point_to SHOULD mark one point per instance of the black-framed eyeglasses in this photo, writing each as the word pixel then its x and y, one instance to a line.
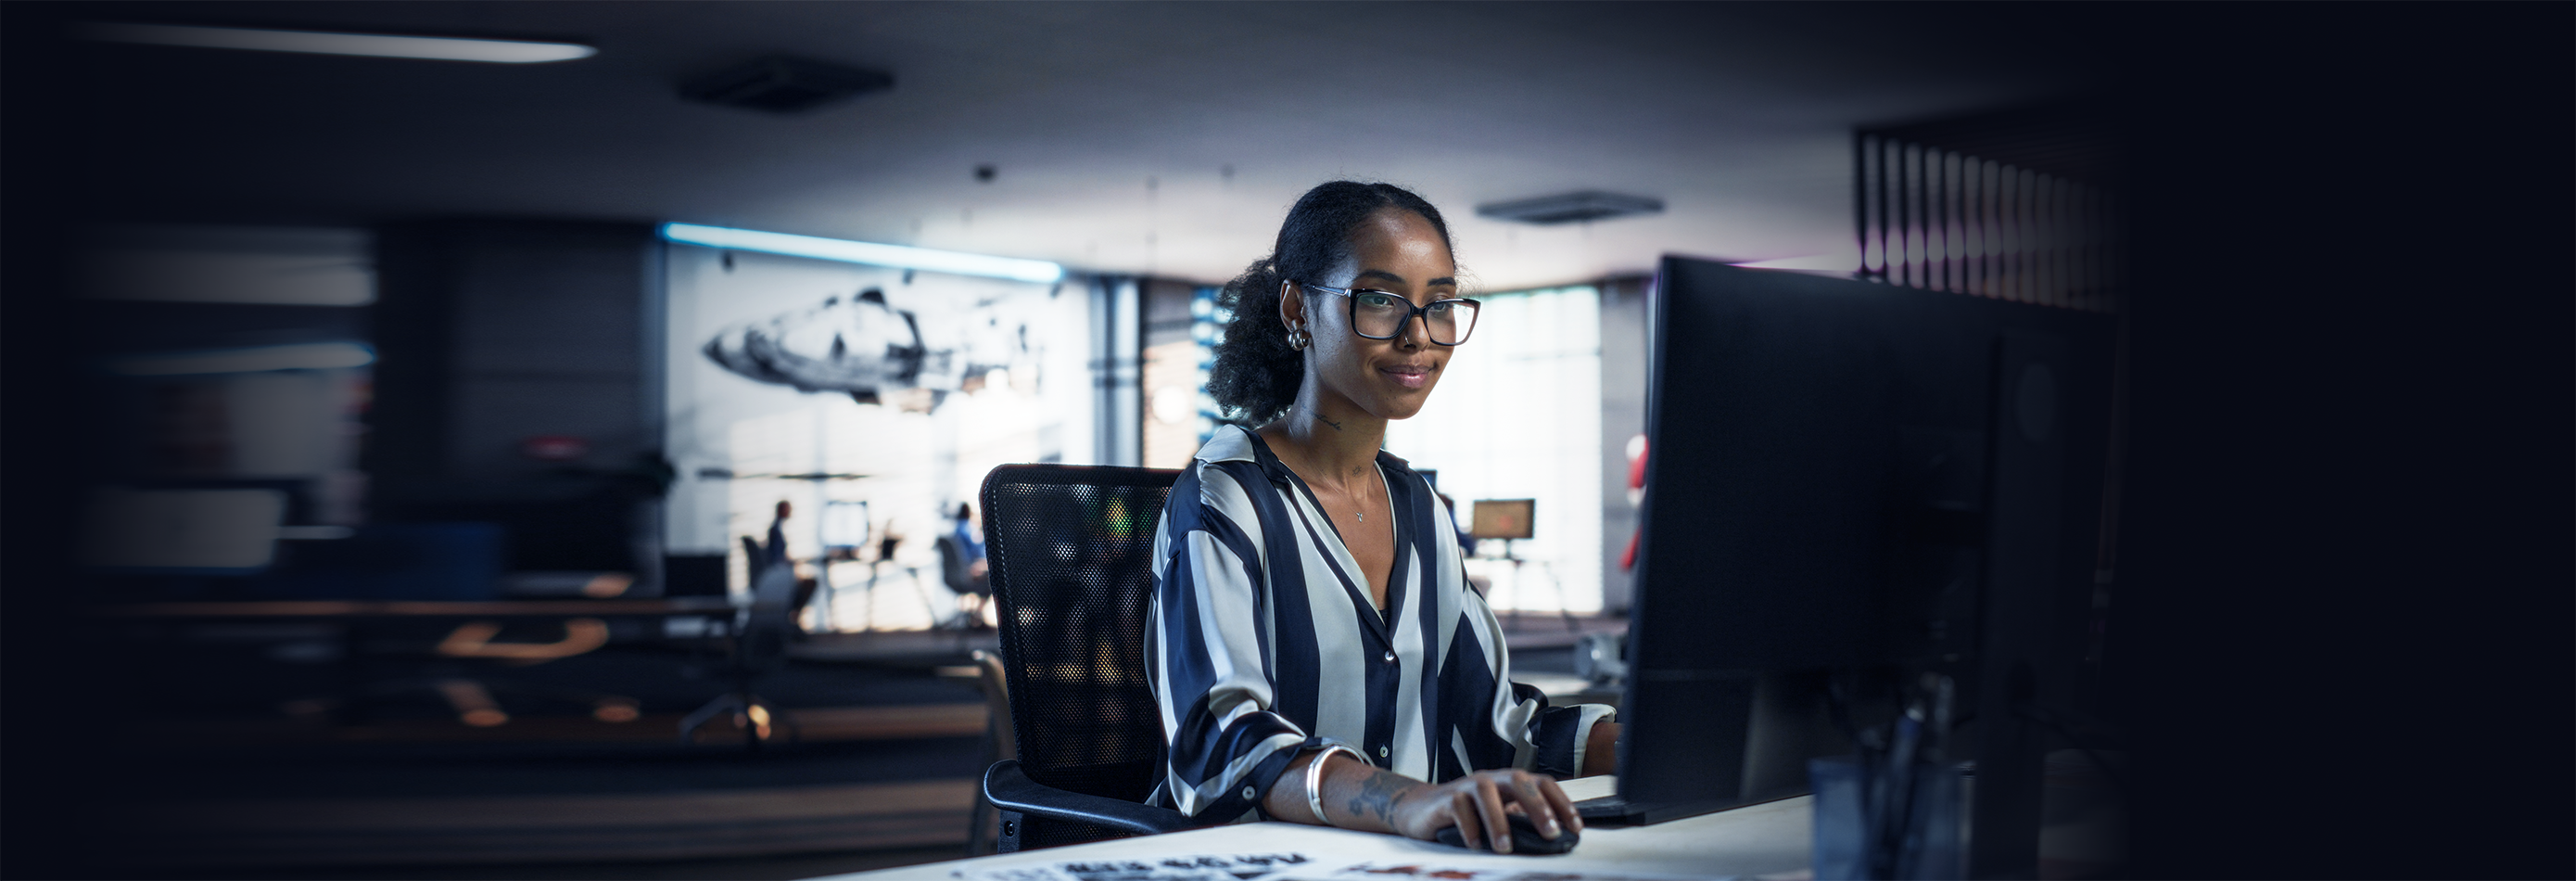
pixel 1382 315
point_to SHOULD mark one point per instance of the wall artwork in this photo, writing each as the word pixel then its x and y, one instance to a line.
pixel 864 347
pixel 841 388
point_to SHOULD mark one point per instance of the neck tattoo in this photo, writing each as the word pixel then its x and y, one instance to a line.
pixel 1319 417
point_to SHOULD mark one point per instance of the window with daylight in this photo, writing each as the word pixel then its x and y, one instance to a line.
pixel 1517 415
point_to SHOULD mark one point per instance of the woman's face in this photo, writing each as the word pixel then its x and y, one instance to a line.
pixel 1395 251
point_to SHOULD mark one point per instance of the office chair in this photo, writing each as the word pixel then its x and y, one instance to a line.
pixel 982 827
pixel 953 571
pixel 759 645
pixel 1070 550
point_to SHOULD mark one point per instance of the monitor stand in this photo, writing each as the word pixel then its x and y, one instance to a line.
pixel 1749 734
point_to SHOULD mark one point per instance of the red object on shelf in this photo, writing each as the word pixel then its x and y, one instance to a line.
pixel 554 447
pixel 1636 481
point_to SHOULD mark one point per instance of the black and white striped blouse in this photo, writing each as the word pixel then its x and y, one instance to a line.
pixel 1264 642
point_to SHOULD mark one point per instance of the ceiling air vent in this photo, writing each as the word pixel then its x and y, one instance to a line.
pixel 1571 207
pixel 781 84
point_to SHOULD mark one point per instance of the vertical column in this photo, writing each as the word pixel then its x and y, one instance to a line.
pixel 1168 377
pixel 1117 334
pixel 652 396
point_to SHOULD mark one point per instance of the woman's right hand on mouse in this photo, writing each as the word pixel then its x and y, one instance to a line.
pixel 1358 795
pixel 1480 804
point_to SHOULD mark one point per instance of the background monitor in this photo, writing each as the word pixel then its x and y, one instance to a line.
pixel 1502 518
pixel 192 531
pixel 1855 479
pixel 845 524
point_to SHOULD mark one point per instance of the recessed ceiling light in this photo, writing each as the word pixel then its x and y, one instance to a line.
pixel 336 43
pixel 1571 207
pixel 784 84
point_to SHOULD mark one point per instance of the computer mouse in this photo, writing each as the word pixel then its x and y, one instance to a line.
pixel 1525 838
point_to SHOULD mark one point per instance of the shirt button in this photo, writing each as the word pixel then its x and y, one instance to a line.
pixel 1381 752
pixel 1390 657
pixel 1247 792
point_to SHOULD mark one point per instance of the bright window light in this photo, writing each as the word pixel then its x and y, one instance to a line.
pixel 305 356
pixel 1541 374
pixel 869 253
pixel 329 43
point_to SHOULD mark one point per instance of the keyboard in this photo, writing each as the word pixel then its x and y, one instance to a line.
pixel 1608 807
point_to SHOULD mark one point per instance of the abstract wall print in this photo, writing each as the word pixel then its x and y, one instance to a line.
pixel 839 387
pixel 862 346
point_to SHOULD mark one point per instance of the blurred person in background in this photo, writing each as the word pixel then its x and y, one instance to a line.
pixel 970 541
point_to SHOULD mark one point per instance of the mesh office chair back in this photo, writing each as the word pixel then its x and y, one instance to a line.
pixel 1070 550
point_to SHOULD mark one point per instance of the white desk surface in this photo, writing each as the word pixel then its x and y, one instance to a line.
pixel 1764 840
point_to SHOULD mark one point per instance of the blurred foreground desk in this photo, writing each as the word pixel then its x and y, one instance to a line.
pixel 1760 841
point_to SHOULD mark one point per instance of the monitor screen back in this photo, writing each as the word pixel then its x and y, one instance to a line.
pixel 1816 495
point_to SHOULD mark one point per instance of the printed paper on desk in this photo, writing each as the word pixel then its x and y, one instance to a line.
pixel 1276 867
pixel 1415 871
pixel 1203 867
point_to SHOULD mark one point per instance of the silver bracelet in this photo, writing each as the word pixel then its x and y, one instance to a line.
pixel 1315 777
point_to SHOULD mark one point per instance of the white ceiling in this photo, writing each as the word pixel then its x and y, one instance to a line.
pixel 1112 125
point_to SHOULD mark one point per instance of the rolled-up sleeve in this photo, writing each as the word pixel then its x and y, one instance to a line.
pixel 1206 650
pixel 1545 739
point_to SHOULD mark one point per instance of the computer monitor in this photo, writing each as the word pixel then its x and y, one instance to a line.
pixel 1502 518
pixel 1848 478
pixel 844 524
pixel 183 531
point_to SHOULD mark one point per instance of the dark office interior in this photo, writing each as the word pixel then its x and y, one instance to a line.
pixel 2327 625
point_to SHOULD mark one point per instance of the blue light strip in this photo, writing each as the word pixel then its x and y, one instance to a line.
pixel 863 252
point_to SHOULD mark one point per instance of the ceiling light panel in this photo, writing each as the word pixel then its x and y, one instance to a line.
pixel 335 43
pixel 782 84
pixel 1571 207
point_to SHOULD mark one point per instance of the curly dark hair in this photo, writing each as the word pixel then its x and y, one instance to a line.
pixel 1256 375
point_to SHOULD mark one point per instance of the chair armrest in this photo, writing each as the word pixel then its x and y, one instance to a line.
pixel 1010 789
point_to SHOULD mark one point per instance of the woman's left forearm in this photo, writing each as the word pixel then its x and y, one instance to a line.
pixel 1601 750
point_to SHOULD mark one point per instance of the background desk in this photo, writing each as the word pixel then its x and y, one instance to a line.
pixel 1769 839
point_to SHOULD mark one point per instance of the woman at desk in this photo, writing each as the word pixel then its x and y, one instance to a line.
pixel 1315 650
